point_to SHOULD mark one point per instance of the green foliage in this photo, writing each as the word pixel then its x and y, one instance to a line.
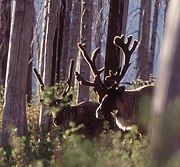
pixel 66 148
pixel 50 95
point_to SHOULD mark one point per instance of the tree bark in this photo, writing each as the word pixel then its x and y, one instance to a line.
pixel 60 73
pixel 165 122
pixel 85 37
pixel 52 20
pixel 14 109
pixel 144 38
pixel 5 12
pixel 42 47
pixel 66 36
pixel 74 35
pixel 116 26
pixel 153 35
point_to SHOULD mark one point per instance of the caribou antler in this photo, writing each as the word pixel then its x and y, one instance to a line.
pixel 120 42
pixel 97 83
pixel 99 86
pixel 68 81
pixel 65 91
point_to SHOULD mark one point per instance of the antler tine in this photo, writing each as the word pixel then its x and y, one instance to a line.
pixel 82 81
pixel 39 78
pixel 95 53
pixel 119 42
pixel 93 58
pixel 68 81
pixel 90 62
pixel 113 76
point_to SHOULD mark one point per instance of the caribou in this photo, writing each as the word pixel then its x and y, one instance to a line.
pixel 112 95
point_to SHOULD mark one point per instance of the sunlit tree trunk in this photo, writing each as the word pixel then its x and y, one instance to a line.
pixel 166 108
pixel 74 35
pixel 144 39
pixel 50 36
pixel 44 27
pixel 85 37
pixel 14 109
pixel 5 12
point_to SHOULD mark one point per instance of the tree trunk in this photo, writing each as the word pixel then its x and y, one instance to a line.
pixel 29 80
pixel 66 36
pixel 85 37
pixel 165 122
pixel 5 12
pixel 116 26
pixel 52 21
pixel 74 35
pixel 153 35
pixel 97 33
pixel 14 109
pixel 144 38
pixel 60 74
pixel 43 38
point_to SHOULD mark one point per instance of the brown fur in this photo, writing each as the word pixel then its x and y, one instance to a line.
pixel 127 104
pixel 82 113
pixel 130 104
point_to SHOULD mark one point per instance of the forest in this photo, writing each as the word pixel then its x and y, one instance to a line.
pixel 89 83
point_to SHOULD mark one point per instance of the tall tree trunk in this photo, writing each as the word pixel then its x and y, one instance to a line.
pixel 66 36
pixel 97 33
pixel 5 15
pixel 153 35
pixel 85 37
pixel 60 73
pixel 74 35
pixel 29 80
pixel 52 21
pixel 43 38
pixel 14 109
pixel 116 26
pixel 165 123
pixel 144 38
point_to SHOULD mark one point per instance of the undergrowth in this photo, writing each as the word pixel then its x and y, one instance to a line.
pixel 67 149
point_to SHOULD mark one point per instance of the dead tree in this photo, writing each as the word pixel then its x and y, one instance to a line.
pixel 14 109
